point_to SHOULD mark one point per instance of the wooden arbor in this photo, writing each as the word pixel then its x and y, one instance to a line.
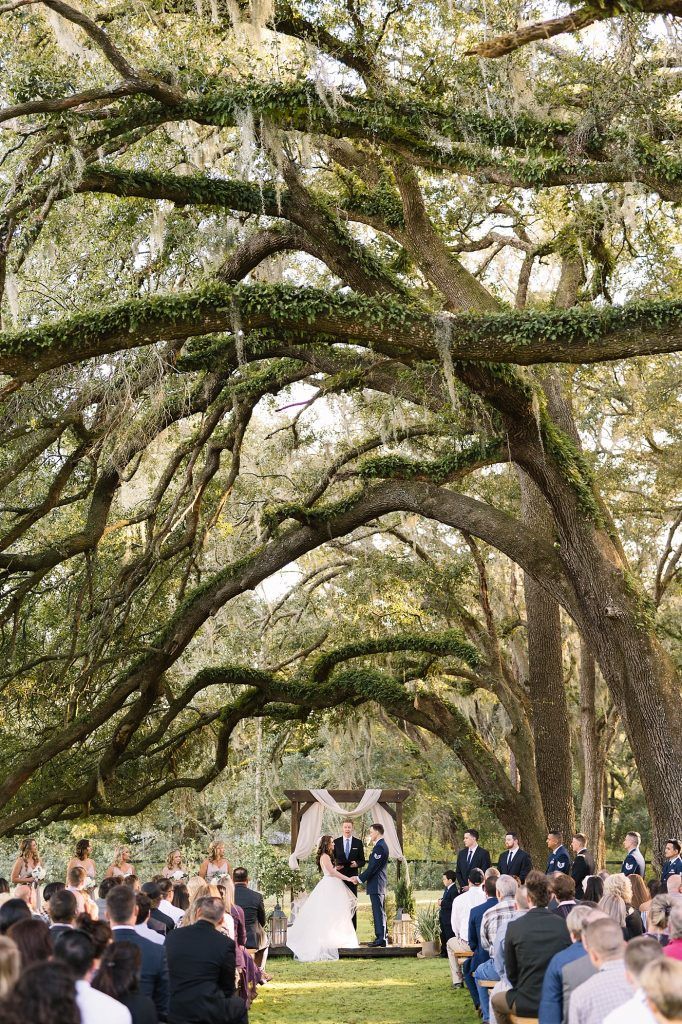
pixel 391 800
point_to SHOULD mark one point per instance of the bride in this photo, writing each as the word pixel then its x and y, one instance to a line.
pixel 325 921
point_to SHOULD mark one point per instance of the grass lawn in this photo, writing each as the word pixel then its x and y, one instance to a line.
pixel 405 991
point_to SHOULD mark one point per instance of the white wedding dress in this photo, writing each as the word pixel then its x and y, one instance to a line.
pixel 324 924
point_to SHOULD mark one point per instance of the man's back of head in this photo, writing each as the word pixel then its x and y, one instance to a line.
pixel 675 919
pixel 674 885
pixel 121 905
pixel 580 917
pixel 210 909
pixel 476 877
pixel 604 940
pixel 12 911
pixel 76 949
pixel 639 952
pixel 240 875
pixel 152 890
pixel 63 907
pixel 505 886
pixel 490 887
pixel 537 887
pixel 521 899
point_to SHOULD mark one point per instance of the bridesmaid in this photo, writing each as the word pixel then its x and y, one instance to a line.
pixel 24 866
pixel 173 864
pixel 82 859
pixel 215 863
pixel 120 866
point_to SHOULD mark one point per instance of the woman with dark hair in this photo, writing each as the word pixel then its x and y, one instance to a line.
pixel 324 923
pixel 98 932
pixel 181 896
pixel 44 994
pixel 4 891
pixel 13 910
pixel 82 859
pixel 119 977
pixel 593 887
pixel 33 940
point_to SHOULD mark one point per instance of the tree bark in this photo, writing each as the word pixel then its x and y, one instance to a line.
pixel 593 759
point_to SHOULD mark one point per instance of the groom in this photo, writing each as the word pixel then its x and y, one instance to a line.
pixel 374 879
pixel 349 855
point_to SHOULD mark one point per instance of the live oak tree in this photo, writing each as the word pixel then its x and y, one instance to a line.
pixel 209 206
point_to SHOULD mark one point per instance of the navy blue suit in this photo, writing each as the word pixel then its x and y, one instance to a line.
pixel 480 858
pixel 634 863
pixel 671 867
pixel 480 954
pixel 517 864
pixel 154 981
pixel 445 917
pixel 374 877
pixel 560 860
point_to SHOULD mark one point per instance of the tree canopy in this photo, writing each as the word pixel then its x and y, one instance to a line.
pixel 326 289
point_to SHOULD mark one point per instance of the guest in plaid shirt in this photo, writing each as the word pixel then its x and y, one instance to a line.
pixel 609 988
pixel 502 911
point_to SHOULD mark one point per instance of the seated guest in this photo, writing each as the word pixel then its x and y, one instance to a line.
pixel 593 888
pixel 10 966
pixel 640 893
pixel 563 889
pixel 4 891
pixel 621 885
pixel 445 910
pixel 674 947
pixel 104 887
pixel 118 976
pixel 132 881
pixel 44 992
pixel 559 859
pixel 48 892
pixel 472 856
pixel 552 1009
pixel 522 907
pixel 583 863
pixel 530 944
pixel 638 954
pixel 181 897
pixel 76 878
pixel 98 932
pixel 23 892
pixel 152 890
pixel 253 906
pixel 608 988
pixel 250 976
pixel 661 983
pixel 673 861
pixel 122 915
pixel 202 963
pixel 480 953
pixel 76 950
pixel 462 906
pixel 13 910
pixel 658 918
pixel 673 885
pixel 165 906
pixel 505 910
pixel 142 927
pixel 33 940
pixel 514 861
pixel 62 909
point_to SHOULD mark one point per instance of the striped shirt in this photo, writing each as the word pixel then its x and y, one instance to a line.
pixel 502 911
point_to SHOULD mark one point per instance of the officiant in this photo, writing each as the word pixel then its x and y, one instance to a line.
pixel 349 857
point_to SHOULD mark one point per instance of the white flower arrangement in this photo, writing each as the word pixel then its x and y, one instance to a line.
pixel 220 879
pixel 38 873
pixel 178 876
pixel 89 883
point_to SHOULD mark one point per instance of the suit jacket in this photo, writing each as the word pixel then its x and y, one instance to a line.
pixel 582 866
pixel 480 859
pixel 201 963
pixel 253 906
pixel 445 912
pixel 519 866
pixel 161 918
pixel 342 863
pixel 374 876
pixel 154 980
pixel 142 1009
pixel 531 942
pixel 58 929
pixel 475 918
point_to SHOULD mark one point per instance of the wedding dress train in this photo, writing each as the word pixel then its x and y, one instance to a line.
pixel 324 923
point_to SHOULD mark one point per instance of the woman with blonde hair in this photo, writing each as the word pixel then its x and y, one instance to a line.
pixel 10 965
pixel 174 869
pixel 250 975
pixel 28 869
pixel 216 863
pixel 121 865
pixel 619 885
pixel 661 982
pixel 205 889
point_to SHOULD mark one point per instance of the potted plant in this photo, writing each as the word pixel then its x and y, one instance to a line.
pixel 428 926
pixel 404 897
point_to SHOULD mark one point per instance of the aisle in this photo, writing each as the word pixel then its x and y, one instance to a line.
pixel 362 992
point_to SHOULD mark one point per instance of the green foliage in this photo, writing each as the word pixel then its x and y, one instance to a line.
pixel 404 895
pixel 428 923
pixel 273 872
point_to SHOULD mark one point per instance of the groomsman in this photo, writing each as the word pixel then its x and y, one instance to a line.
pixel 374 877
pixel 445 910
pixel 673 862
pixel 514 861
pixel 349 855
pixel 559 858
pixel 472 856
pixel 583 865
pixel 634 859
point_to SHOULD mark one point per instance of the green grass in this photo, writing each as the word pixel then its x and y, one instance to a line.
pixel 405 991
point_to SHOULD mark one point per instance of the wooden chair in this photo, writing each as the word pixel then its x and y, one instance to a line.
pixel 486 984
pixel 515 1019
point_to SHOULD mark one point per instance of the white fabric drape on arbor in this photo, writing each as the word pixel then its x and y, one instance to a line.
pixel 310 827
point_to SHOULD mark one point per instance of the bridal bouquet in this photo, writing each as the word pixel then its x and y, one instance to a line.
pixel 38 873
pixel 220 879
pixel 89 883
pixel 178 876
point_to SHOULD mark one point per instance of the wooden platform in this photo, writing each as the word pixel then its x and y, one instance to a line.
pixel 361 953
